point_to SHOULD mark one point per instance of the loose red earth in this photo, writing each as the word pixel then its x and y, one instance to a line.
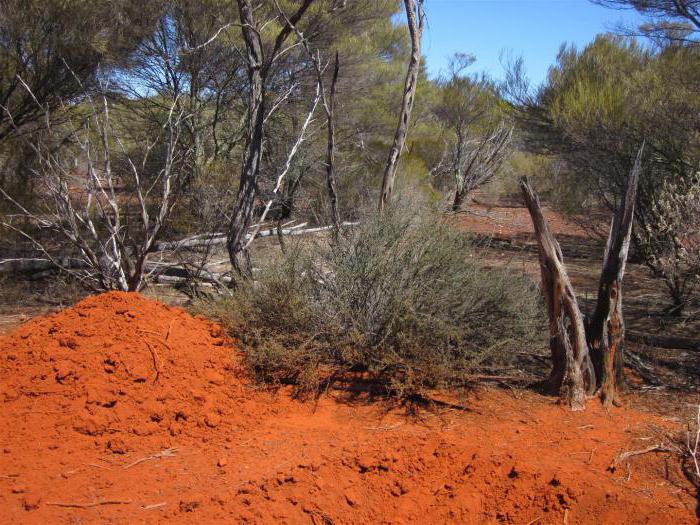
pixel 124 410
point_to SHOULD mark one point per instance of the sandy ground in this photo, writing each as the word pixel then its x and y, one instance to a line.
pixel 124 410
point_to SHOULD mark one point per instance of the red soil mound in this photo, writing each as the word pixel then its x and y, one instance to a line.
pixel 122 410
pixel 119 366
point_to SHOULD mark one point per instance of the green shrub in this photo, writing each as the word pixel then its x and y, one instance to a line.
pixel 403 297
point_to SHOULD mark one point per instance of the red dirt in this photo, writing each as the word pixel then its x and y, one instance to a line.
pixel 81 405
pixel 509 222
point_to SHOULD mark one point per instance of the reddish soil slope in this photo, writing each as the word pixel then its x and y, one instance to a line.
pixel 123 410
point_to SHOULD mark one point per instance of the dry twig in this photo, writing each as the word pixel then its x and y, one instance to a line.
pixel 154 356
pixel 626 455
pixel 88 505
pixel 693 449
pixel 167 453
pixel 153 506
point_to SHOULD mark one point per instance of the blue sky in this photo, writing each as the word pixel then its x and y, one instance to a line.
pixel 532 28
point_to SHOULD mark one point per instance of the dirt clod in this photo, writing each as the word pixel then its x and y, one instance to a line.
pixel 31 502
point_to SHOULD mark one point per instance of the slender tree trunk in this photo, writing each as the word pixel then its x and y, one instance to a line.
pixel 245 201
pixel 606 329
pixel 459 200
pixel 572 373
pixel 416 21
pixel 330 153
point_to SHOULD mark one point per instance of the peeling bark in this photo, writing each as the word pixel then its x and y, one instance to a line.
pixel 606 329
pixel 586 358
pixel 572 373
pixel 416 22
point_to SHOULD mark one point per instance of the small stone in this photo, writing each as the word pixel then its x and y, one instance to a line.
pixel 117 446
pixel 189 506
pixel 215 378
pixel 68 342
pixel 222 462
pixel 211 419
pixel 31 502
pixel 352 498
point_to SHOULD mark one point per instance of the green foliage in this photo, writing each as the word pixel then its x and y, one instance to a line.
pixel 56 47
pixel 467 110
pixel 403 297
pixel 598 106
pixel 538 168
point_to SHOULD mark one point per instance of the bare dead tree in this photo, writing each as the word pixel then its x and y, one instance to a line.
pixel 328 102
pixel 258 66
pixel 416 23
pixel 477 161
pixel 112 231
pixel 585 357
pixel 606 329
pixel 288 164
pixel 572 369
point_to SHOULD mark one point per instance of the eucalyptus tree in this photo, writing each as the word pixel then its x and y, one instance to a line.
pixel 478 139
pixel 51 50
pixel 416 23
pixel 597 105
pixel 667 20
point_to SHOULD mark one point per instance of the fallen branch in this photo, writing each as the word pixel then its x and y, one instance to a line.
pixel 167 453
pixel 38 264
pixel 153 506
pixel 626 455
pixel 88 505
pixel 645 371
pixel 16 265
pixel 665 341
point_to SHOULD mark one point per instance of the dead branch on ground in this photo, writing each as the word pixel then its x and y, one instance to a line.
pixel 88 505
pixel 167 453
pixel 629 454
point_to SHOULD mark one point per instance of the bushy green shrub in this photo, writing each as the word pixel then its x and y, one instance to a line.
pixel 403 297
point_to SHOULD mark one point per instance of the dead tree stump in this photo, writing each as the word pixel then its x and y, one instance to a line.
pixel 572 370
pixel 586 357
pixel 606 329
